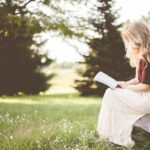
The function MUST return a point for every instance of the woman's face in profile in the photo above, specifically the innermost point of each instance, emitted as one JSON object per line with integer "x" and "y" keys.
{"x": 127, "y": 46}
{"x": 126, "y": 42}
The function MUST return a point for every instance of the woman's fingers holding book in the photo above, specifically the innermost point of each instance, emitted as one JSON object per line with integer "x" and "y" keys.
{"x": 124, "y": 86}
{"x": 122, "y": 83}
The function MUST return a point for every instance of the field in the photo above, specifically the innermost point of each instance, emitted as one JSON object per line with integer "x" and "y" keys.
{"x": 49, "y": 122}
{"x": 56, "y": 121}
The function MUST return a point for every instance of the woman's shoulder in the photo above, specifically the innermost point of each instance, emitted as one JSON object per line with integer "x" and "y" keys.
{"x": 143, "y": 63}
{"x": 145, "y": 57}
{"x": 144, "y": 71}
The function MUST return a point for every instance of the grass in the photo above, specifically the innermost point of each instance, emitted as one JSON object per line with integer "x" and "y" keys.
{"x": 61, "y": 84}
{"x": 50, "y": 122}
{"x": 56, "y": 122}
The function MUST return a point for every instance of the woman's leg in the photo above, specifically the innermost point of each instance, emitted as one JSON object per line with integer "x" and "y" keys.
{"x": 116, "y": 116}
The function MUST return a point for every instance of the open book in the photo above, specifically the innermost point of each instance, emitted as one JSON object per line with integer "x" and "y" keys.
{"x": 106, "y": 79}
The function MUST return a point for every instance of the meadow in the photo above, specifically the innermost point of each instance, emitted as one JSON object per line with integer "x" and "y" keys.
{"x": 52, "y": 121}
{"x": 49, "y": 123}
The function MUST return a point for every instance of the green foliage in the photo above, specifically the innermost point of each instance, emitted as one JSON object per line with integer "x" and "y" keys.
{"x": 21, "y": 25}
{"x": 146, "y": 18}
{"x": 21, "y": 61}
{"x": 106, "y": 50}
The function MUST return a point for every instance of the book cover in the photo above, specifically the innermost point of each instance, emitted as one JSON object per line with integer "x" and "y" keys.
{"x": 106, "y": 79}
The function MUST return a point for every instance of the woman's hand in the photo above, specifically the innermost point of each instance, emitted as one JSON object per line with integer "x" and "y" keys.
{"x": 122, "y": 84}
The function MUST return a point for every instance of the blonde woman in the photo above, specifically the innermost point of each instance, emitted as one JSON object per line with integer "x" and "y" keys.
{"x": 122, "y": 107}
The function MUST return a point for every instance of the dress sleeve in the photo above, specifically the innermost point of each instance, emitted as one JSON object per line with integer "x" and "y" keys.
{"x": 144, "y": 72}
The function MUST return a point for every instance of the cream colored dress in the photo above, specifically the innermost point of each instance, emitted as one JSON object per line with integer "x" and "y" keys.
{"x": 120, "y": 109}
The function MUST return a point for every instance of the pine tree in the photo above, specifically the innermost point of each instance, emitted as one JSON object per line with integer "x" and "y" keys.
{"x": 107, "y": 52}
{"x": 21, "y": 61}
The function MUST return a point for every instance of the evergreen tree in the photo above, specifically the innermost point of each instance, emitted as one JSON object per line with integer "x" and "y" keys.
{"x": 21, "y": 61}
{"x": 107, "y": 52}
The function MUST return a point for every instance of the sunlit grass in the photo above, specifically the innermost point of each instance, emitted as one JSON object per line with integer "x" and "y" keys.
{"x": 63, "y": 82}
{"x": 52, "y": 99}
{"x": 64, "y": 125}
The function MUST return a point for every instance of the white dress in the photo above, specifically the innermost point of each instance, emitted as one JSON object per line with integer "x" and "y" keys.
{"x": 120, "y": 109}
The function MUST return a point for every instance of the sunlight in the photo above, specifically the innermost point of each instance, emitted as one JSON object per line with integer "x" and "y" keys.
{"x": 64, "y": 101}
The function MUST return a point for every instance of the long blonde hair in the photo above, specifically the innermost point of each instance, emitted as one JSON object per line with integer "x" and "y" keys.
{"x": 136, "y": 37}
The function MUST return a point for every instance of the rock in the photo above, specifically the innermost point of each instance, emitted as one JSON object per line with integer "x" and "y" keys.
{"x": 144, "y": 123}
{"x": 141, "y": 132}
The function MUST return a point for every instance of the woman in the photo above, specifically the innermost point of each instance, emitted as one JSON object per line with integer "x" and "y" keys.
{"x": 122, "y": 107}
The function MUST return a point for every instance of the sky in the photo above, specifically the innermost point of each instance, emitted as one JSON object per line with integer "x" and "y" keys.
{"x": 63, "y": 52}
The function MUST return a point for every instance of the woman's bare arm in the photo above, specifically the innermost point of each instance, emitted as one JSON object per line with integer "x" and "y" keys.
{"x": 138, "y": 87}
{"x": 130, "y": 82}
{"x": 133, "y": 81}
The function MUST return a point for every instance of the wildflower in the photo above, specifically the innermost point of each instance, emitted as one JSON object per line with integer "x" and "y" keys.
{"x": 43, "y": 131}
{"x": 11, "y": 137}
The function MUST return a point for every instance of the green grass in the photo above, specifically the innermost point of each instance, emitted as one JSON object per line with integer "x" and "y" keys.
{"x": 47, "y": 122}
{"x": 50, "y": 122}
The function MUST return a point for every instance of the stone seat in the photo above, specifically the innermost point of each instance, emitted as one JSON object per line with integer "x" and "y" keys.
{"x": 141, "y": 133}
{"x": 143, "y": 123}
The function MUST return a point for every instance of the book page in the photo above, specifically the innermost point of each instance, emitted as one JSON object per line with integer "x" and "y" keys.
{"x": 105, "y": 79}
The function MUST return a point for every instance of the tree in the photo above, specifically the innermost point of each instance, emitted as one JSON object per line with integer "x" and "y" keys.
{"x": 21, "y": 58}
{"x": 146, "y": 18}
{"x": 106, "y": 50}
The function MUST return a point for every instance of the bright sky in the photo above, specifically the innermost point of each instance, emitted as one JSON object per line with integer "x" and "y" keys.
{"x": 61, "y": 51}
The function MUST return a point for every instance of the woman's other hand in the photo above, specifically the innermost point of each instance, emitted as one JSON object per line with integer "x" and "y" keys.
{"x": 122, "y": 84}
